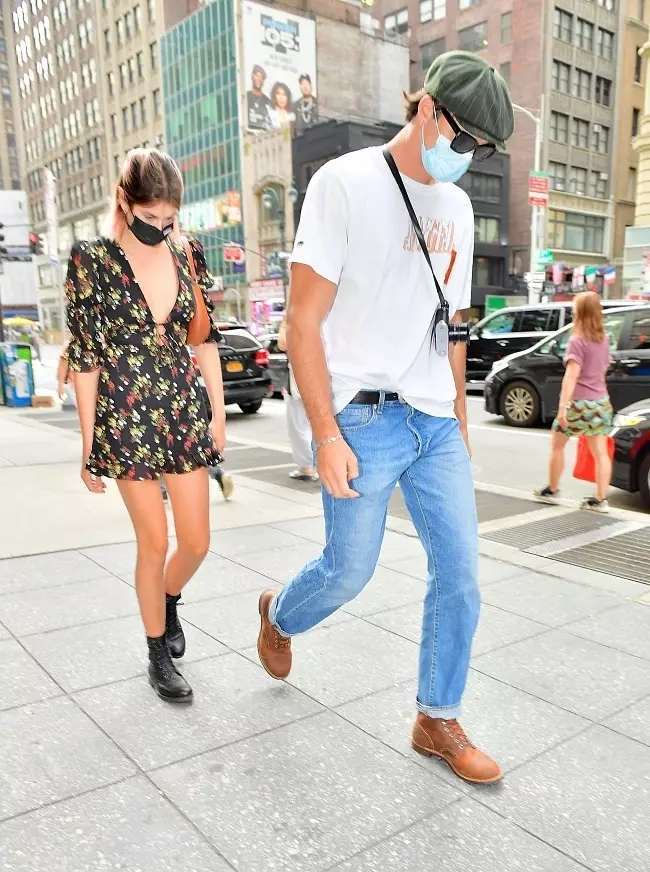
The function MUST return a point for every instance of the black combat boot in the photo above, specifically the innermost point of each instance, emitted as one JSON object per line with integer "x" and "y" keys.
{"x": 165, "y": 679}
{"x": 173, "y": 629}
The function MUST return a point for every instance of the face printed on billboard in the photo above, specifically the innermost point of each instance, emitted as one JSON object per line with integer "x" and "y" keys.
{"x": 280, "y": 63}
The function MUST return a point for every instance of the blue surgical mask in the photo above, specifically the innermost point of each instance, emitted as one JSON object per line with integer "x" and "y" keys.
{"x": 443, "y": 164}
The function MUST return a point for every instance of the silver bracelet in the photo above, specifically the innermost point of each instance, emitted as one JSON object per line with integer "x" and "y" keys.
{"x": 328, "y": 441}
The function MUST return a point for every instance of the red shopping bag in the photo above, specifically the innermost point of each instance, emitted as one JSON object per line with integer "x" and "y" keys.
{"x": 585, "y": 467}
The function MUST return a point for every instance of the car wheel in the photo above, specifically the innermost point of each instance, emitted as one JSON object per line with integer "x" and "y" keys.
{"x": 644, "y": 480}
{"x": 251, "y": 408}
{"x": 520, "y": 404}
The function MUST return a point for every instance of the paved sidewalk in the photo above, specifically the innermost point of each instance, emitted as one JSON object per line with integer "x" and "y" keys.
{"x": 315, "y": 773}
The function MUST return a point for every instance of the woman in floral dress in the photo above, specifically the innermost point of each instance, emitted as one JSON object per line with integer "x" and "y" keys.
{"x": 130, "y": 303}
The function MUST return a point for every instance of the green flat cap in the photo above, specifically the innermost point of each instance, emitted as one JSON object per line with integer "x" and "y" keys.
{"x": 475, "y": 94}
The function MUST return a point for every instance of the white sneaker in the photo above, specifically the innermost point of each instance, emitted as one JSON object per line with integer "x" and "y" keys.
{"x": 591, "y": 504}
{"x": 546, "y": 495}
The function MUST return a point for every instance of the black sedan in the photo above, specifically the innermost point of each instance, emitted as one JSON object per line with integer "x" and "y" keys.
{"x": 631, "y": 435}
{"x": 525, "y": 387}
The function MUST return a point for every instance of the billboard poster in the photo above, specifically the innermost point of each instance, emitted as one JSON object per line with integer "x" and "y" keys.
{"x": 205, "y": 215}
{"x": 279, "y": 68}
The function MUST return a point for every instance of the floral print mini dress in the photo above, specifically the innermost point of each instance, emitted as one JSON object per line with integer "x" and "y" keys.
{"x": 150, "y": 419}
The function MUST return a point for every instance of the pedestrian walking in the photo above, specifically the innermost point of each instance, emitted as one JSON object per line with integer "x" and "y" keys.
{"x": 298, "y": 425}
{"x": 374, "y": 344}
{"x": 584, "y": 408}
{"x": 135, "y": 298}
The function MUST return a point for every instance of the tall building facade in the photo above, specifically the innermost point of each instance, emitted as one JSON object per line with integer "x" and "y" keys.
{"x": 574, "y": 64}
{"x": 10, "y": 168}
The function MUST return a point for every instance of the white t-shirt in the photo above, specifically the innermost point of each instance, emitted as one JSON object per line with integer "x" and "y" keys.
{"x": 355, "y": 232}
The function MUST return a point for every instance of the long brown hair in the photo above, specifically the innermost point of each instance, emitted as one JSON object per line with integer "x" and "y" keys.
{"x": 588, "y": 317}
{"x": 147, "y": 176}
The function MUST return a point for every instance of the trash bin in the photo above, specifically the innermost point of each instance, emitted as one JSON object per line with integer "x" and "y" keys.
{"x": 16, "y": 374}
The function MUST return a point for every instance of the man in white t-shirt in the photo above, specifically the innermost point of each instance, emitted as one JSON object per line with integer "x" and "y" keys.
{"x": 384, "y": 394}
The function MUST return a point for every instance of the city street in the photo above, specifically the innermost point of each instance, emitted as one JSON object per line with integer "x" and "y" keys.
{"x": 315, "y": 773}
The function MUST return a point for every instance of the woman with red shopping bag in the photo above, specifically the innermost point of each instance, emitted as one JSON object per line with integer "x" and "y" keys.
{"x": 584, "y": 409}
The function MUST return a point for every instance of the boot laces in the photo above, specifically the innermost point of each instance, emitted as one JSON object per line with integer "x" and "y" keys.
{"x": 281, "y": 642}
{"x": 457, "y": 733}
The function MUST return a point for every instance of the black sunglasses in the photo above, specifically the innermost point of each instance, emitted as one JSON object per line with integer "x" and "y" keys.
{"x": 463, "y": 142}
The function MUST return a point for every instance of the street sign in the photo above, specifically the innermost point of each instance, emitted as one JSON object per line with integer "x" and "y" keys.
{"x": 234, "y": 254}
{"x": 545, "y": 257}
{"x": 538, "y": 184}
{"x": 264, "y": 290}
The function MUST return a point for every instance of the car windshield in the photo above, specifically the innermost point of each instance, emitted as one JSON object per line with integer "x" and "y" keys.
{"x": 557, "y": 344}
{"x": 239, "y": 338}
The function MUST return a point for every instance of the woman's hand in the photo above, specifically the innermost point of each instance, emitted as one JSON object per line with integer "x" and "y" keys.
{"x": 218, "y": 432}
{"x": 94, "y": 483}
{"x": 63, "y": 375}
{"x": 562, "y": 419}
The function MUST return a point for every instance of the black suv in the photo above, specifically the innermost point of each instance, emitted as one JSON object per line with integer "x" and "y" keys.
{"x": 525, "y": 388}
{"x": 244, "y": 369}
{"x": 516, "y": 328}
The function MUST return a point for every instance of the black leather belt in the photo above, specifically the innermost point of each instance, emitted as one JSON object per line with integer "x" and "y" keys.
{"x": 371, "y": 398}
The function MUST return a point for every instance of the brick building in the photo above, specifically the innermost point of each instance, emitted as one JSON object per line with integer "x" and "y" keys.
{"x": 575, "y": 62}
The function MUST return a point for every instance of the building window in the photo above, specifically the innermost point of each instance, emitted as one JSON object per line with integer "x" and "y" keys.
{"x": 137, "y": 18}
{"x": 631, "y": 185}
{"x": 473, "y": 38}
{"x": 578, "y": 180}
{"x": 397, "y": 23}
{"x": 598, "y": 185}
{"x": 582, "y": 84}
{"x": 153, "y": 51}
{"x": 134, "y": 116}
{"x": 132, "y": 75}
{"x": 128, "y": 25}
{"x": 580, "y": 133}
{"x": 111, "y": 83}
{"x": 151, "y": 10}
{"x": 119, "y": 31}
{"x": 107, "y": 41}
{"x": 559, "y": 127}
{"x": 482, "y": 186}
{"x": 487, "y": 229}
{"x": 143, "y": 110}
{"x": 573, "y": 231}
{"x": 600, "y": 139}
{"x": 125, "y": 119}
{"x": 609, "y": 5}
{"x": 140, "y": 63}
{"x": 635, "y": 122}
{"x": 504, "y": 70}
{"x": 557, "y": 175}
{"x": 637, "y": 66}
{"x": 506, "y": 27}
{"x": 603, "y": 91}
{"x": 605, "y": 43}
{"x": 157, "y": 105}
{"x": 584, "y": 35}
{"x": 488, "y": 271}
{"x": 430, "y": 51}
{"x": 562, "y": 25}
{"x": 465, "y": 4}
{"x": 432, "y": 10}
{"x": 123, "y": 75}
{"x": 560, "y": 77}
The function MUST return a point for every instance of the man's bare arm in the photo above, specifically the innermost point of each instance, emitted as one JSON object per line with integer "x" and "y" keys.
{"x": 458, "y": 360}
{"x": 310, "y": 299}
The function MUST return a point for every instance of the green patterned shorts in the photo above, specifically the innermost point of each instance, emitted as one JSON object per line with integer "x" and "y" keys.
{"x": 587, "y": 418}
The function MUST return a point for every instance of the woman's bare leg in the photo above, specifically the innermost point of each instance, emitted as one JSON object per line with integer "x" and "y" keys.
{"x": 556, "y": 462}
{"x": 144, "y": 502}
{"x": 598, "y": 445}
{"x": 189, "y": 495}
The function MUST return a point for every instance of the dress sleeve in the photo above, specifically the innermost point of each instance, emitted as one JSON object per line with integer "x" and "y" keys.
{"x": 205, "y": 281}
{"x": 84, "y": 352}
{"x": 575, "y": 350}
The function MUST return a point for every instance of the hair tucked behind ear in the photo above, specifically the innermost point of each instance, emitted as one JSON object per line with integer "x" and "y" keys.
{"x": 147, "y": 176}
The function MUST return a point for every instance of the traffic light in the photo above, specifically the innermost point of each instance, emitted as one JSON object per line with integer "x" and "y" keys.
{"x": 35, "y": 243}
{"x": 3, "y": 250}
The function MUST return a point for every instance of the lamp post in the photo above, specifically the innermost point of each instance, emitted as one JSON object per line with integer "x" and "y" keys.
{"x": 271, "y": 198}
{"x": 537, "y": 162}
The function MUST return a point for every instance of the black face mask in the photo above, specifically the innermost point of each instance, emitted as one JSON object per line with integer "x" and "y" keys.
{"x": 147, "y": 234}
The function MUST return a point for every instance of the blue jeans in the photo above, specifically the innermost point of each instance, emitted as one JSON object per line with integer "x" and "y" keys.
{"x": 394, "y": 443}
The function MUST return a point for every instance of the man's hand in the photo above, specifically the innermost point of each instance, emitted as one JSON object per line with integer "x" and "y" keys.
{"x": 337, "y": 465}
{"x": 465, "y": 434}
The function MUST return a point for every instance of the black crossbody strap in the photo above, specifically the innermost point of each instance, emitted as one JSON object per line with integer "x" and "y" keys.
{"x": 390, "y": 160}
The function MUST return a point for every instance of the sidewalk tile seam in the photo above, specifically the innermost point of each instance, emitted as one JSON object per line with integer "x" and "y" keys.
{"x": 582, "y": 584}
{"x": 105, "y": 574}
{"x": 384, "y": 839}
{"x": 598, "y": 611}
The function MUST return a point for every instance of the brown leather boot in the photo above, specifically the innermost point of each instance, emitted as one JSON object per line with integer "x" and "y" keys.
{"x": 435, "y": 737}
{"x": 274, "y": 650}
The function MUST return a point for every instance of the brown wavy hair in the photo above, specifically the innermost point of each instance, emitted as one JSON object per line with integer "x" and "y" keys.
{"x": 147, "y": 176}
{"x": 588, "y": 317}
